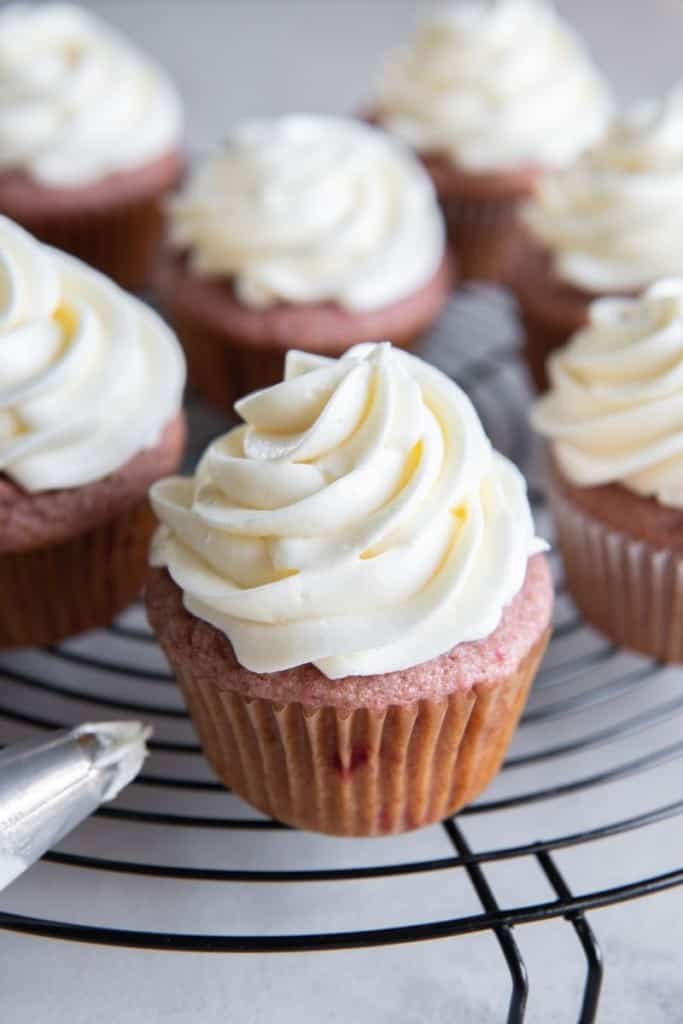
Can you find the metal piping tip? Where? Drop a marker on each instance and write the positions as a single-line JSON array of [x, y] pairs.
[[49, 786], [119, 750]]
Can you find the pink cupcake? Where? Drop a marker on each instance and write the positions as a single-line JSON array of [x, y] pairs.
[[90, 415], [303, 230], [611, 224], [351, 596], [89, 138], [491, 95], [614, 420]]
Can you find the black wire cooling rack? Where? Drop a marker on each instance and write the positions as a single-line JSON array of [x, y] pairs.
[[599, 722]]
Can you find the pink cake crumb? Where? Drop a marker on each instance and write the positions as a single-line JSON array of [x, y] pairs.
[[321, 326], [30, 521], [187, 639], [23, 198]]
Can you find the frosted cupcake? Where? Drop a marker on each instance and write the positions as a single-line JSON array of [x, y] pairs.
[[614, 419], [89, 137], [491, 94], [610, 225], [306, 230], [90, 392], [351, 595]]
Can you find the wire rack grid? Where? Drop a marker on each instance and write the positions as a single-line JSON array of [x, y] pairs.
[[598, 720]]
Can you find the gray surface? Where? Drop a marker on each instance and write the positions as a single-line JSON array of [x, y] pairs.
[[462, 980], [242, 58], [238, 58]]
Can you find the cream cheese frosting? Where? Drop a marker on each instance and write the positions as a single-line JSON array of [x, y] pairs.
[[494, 86], [311, 209], [614, 221], [77, 101], [614, 412], [89, 376], [359, 520]]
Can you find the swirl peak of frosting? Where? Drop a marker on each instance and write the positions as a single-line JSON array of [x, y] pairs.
[[358, 519], [89, 376], [77, 101], [495, 85], [614, 221], [311, 209], [614, 412]]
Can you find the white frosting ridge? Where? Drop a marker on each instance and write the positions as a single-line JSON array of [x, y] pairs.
[[89, 375], [120, 749], [614, 412], [311, 209], [495, 85], [77, 101], [614, 221], [359, 520]]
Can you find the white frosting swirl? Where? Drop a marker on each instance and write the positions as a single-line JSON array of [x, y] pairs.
[[495, 85], [359, 520], [77, 101], [614, 221], [89, 375], [614, 413], [311, 209]]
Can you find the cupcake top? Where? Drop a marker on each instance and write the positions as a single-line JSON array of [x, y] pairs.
[[614, 221], [495, 86], [77, 101], [614, 413], [359, 520], [89, 376], [306, 209]]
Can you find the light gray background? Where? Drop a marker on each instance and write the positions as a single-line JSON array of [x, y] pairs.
[[241, 58], [238, 58]]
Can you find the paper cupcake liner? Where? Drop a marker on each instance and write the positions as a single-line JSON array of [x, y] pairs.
[[364, 772], [122, 240], [57, 591], [628, 589], [540, 339], [485, 236], [222, 369]]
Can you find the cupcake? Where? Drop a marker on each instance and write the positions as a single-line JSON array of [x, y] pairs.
[[351, 595], [90, 392], [610, 225], [311, 230], [614, 419], [491, 94], [89, 138]]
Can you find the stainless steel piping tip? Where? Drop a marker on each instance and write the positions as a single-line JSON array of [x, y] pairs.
[[49, 786]]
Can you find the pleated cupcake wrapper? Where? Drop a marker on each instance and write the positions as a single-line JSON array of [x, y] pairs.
[[630, 590], [223, 369], [540, 340], [122, 240], [361, 772], [53, 592], [485, 236]]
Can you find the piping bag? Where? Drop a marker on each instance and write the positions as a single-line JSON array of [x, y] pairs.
[[49, 786]]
